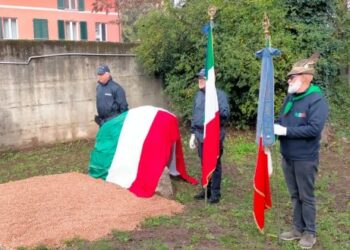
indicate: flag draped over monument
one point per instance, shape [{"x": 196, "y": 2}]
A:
[{"x": 133, "y": 149}]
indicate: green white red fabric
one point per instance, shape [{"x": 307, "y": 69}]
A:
[
  {"x": 133, "y": 149},
  {"x": 211, "y": 138}
]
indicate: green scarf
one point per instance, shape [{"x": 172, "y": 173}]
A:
[{"x": 290, "y": 103}]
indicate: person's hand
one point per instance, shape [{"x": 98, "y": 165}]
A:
[
  {"x": 279, "y": 130},
  {"x": 192, "y": 142}
]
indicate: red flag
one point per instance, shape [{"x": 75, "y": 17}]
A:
[{"x": 262, "y": 194}]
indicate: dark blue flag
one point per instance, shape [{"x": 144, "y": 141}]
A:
[{"x": 264, "y": 126}]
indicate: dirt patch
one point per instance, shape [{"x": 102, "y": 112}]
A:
[
  {"x": 50, "y": 209},
  {"x": 336, "y": 160},
  {"x": 174, "y": 238}
]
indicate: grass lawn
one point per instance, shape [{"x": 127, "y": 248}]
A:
[{"x": 227, "y": 225}]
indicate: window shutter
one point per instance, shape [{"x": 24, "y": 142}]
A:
[
  {"x": 45, "y": 29},
  {"x": 61, "y": 30},
  {"x": 81, "y": 5},
  {"x": 1, "y": 35},
  {"x": 83, "y": 31},
  {"x": 40, "y": 29},
  {"x": 60, "y": 4},
  {"x": 103, "y": 26},
  {"x": 37, "y": 30}
]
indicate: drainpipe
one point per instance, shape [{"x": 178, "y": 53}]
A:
[
  {"x": 65, "y": 54},
  {"x": 119, "y": 22}
]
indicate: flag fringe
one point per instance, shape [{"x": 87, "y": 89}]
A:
[{"x": 257, "y": 224}]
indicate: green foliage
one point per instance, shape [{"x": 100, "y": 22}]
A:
[
  {"x": 311, "y": 11},
  {"x": 173, "y": 47},
  {"x": 339, "y": 97},
  {"x": 131, "y": 12},
  {"x": 128, "y": 11},
  {"x": 312, "y": 24}
]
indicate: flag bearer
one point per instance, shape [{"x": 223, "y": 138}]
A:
[
  {"x": 299, "y": 128},
  {"x": 197, "y": 129}
]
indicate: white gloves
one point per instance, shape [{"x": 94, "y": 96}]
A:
[
  {"x": 269, "y": 160},
  {"x": 192, "y": 142},
  {"x": 279, "y": 130}
]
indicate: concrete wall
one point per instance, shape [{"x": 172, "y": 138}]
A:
[{"x": 52, "y": 99}]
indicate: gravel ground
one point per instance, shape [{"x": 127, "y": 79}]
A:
[{"x": 50, "y": 209}]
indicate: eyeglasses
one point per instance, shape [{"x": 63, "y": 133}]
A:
[{"x": 290, "y": 78}]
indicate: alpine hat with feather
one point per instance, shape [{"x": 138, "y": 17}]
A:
[{"x": 305, "y": 66}]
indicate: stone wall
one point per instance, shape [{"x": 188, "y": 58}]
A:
[{"x": 47, "y": 89}]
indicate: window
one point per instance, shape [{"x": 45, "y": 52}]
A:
[
  {"x": 71, "y": 31},
  {"x": 40, "y": 29},
  {"x": 100, "y": 29},
  {"x": 71, "y": 4},
  {"x": 8, "y": 28}
]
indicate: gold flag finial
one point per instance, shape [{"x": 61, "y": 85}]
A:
[
  {"x": 212, "y": 11},
  {"x": 266, "y": 25}
]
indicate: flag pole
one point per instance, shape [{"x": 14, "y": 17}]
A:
[
  {"x": 266, "y": 26},
  {"x": 277, "y": 196},
  {"x": 264, "y": 131}
]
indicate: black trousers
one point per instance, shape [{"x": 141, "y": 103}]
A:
[
  {"x": 214, "y": 185},
  {"x": 300, "y": 177}
]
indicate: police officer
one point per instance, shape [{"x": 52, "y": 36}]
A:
[
  {"x": 299, "y": 128},
  {"x": 110, "y": 96},
  {"x": 197, "y": 129}
]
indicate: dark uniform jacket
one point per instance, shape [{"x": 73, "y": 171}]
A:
[
  {"x": 197, "y": 122},
  {"x": 304, "y": 123},
  {"x": 110, "y": 100}
]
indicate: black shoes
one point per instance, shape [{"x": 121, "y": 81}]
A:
[
  {"x": 201, "y": 195},
  {"x": 214, "y": 200},
  {"x": 211, "y": 199}
]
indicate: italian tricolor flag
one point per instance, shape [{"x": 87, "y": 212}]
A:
[
  {"x": 211, "y": 138},
  {"x": 132, "y": 150}
]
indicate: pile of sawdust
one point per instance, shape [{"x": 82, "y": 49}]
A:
[{"x": 50, "y": 209}]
